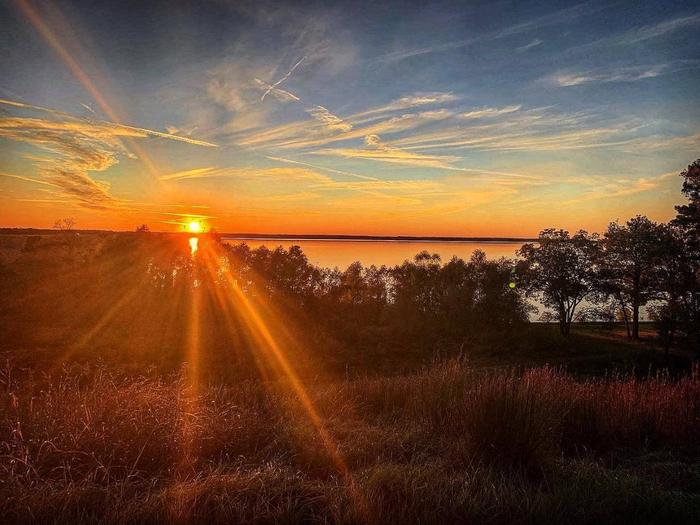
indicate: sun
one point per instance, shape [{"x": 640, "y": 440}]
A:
[{"x": 194, "y": 227}]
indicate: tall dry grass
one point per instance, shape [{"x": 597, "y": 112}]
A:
[{"x": 448, "y": 444}]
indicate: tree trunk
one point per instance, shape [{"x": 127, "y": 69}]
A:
[
  {"x": 635, "y": 305},
  {"x": 563, "y": 325},
  {"x": 624, "y": 315}
]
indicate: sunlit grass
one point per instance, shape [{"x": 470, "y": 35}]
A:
[{"x": 448, "y": 443}]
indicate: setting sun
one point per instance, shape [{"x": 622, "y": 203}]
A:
[{"x": 194, "y": 227}]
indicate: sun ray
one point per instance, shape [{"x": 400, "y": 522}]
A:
[
  {"x": 75, "y": 68},
  {"x": 268, "y": 344}
]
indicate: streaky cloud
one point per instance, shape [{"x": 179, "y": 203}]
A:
[
  {"x": 489, "y": 112},
  {"x": 327, "y": 118}
]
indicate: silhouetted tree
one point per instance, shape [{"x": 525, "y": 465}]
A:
[
  {"x": 65, "y": 224},
  {"x": 685, "y": 289},
  {"x": 688, "y": 216},
  {"x": 631, "y": 263},
  {"x": 143, "y": 228},
  {"x": 561, "y": 268}
]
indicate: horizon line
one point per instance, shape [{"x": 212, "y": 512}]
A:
[{"x": 294, "y": 236}]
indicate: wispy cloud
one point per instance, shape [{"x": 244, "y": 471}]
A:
[
  {"x": 78, "y": 147},
  {"x": 174, "y": 130},
  {"x": 101, "y": 127},
  {"x": 190, "y": 174},
  {"x": 641, "y": 34},
  {"x": 626, "y": 74},
  {"x": 557, "y": 17},
  {"x": 331, "y": 121},
  {"x": 298, "y": 135},
  {"x": 246, "y": 173},
  {"x": 621, "y": 187},
  {"x": 27, "y": 179},
  {"x": 377, "y": 150},
  {"x": 534, "y": 43},
  {"x": 322, "y": 168},
  {"x": 489, "y": 112},
  {"x": 409, "y": 102}
]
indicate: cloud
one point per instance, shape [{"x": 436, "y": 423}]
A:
[
  {"x": 331, "y": 121},
  {"x": 101, "y": 127},
  {"x": 323, "y": 168},
  {"x": 299, "y": 135},
  {"x": 282, "y": 174},
  {"x": 76, "y": 155},
  {"x": 627, "y": 74},
  {"x": 534, "y": 43},
  {"x": 489, "y": 112},
  {"x": 641, "y": 34},
  {"x": 27, "y": 179},
  {"x": 622, "y": 188},
  {"x": 555, "y": 18},
  {"x": 88, "y": 108},
  {"x": 78, "y": 147},
  {"x": 410, "y": 102},
  {"x": 633, "y": 36},
  {"x": 174, "y": 130},
  {"x": 331, "y": 128},
  {"x": 379, "y": 151},
  {"x": 535, "y": 129},
  {"x": 190, "y": 174}
]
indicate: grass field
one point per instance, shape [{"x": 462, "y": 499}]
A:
[{"x": 446, "y": 444}]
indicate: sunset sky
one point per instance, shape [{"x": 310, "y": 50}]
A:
[{"x": 457, "y": 118}]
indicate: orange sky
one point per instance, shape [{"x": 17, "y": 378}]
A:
[{"x": 286, "y": 123}]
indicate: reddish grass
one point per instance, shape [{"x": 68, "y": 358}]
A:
[{"x": 446, "y": 443}]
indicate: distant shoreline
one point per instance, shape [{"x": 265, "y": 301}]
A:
[
  {"x": 295, "y": 237},
  {"x": 370, "y": 238}
]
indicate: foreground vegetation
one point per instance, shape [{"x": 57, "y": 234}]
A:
[{"x": 447, "y": 444}]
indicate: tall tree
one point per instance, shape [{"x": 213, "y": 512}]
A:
[
  {"x": 632, "y": 263},
  {"x": 687, "y": 225},
  {"x": 688, "y": 216},
  {"x": 561, "y": 268}
]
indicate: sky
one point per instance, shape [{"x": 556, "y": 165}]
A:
[{"x": 378, "y": 118}]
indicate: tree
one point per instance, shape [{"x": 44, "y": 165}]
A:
[
  {"x": 65, "y": 224},
  {"x": 143, "y": 228},
  {"x": 631, "y": 263},
  {"x": 688, "y": 215},
  {"x": 561, "y": 268},
  {"x": 684, "y": 293}
]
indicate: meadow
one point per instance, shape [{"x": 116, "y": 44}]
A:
[{"x": 449, "y": 443}]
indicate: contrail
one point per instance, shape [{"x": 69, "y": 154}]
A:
[{"x": 285, "y": 77}]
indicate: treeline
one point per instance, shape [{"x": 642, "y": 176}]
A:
[{"x": 140, "y": 298}]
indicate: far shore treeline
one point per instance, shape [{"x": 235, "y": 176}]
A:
[{"x": 80, "y": 292}]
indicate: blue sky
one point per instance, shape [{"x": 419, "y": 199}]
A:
[{"x": 493, "y": 118}]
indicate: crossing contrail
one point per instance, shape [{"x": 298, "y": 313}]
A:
[{"x": 285, "y": 77}]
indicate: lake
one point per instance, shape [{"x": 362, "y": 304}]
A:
[{"x": 331, "y": 253}]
